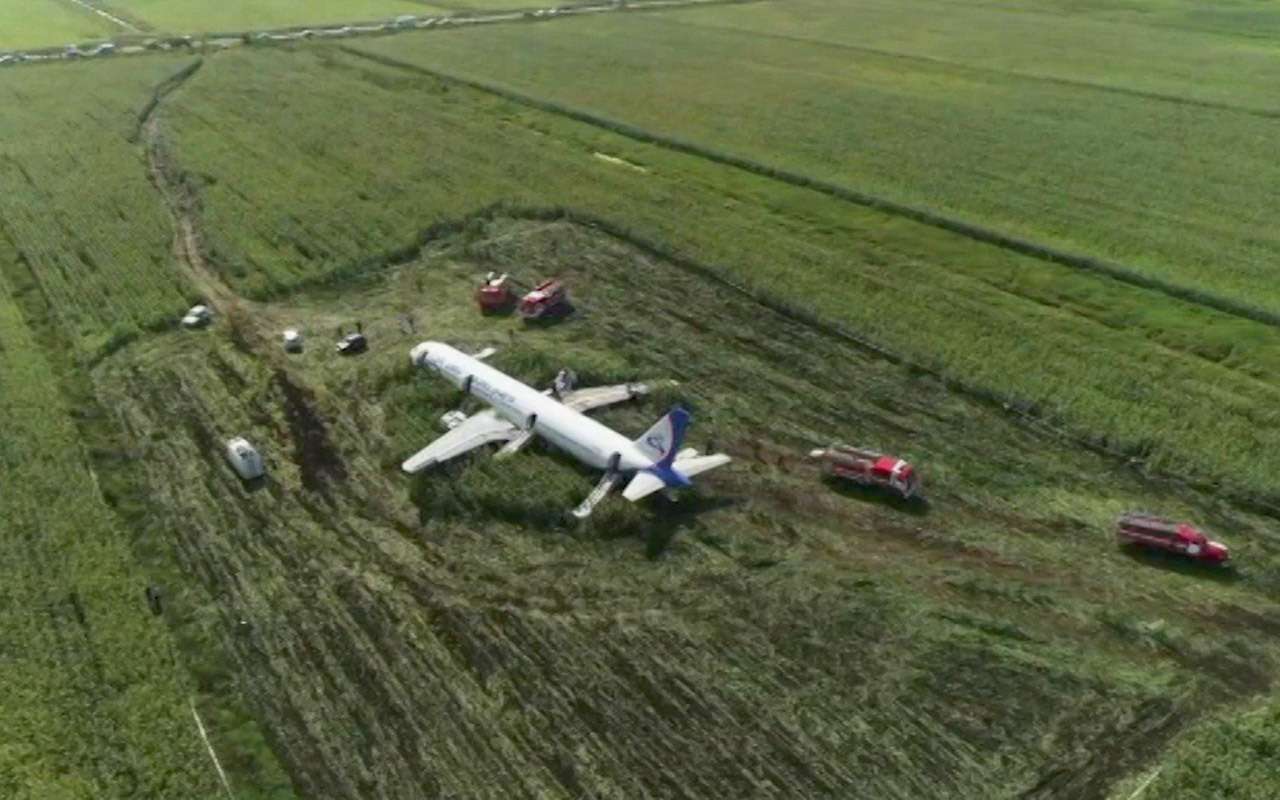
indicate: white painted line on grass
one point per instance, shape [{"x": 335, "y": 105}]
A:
[
  {"x": 205, "y": 738},
  {"x": 102, "y": 13}
]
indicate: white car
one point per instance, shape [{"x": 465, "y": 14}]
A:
[
  {"x": 197, "y": 317},
  {"x": 292, "y": 341},
  {"x": 245, "y": 459}
]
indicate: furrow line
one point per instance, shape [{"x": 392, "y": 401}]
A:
[{"x": 978, "y": 233}]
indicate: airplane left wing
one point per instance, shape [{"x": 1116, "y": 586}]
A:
[
  {"x": 598, "y": 396},
  {"x": 477, "y": 430}
]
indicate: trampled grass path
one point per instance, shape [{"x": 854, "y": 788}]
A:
[{"x": 183, "y": 203}]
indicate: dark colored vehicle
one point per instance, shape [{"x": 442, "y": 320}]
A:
[{"x": 352, "y": 344}]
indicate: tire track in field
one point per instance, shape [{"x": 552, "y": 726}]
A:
[
  {"x": 969, "y": 230},
  {"x": 466, "y": 645},
  {"x": 180, "y": 198}
]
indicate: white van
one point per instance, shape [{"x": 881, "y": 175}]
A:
[{"x": 245, "y": 460}]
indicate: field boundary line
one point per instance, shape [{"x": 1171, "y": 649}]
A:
[
  {"x": 204, "y": 737},
  {"x": 1022, "y": 412},
  {"x": 924, "y": 216},
  {"x": 127, "y": 26},
  {"x": 1127, "y": 91}
]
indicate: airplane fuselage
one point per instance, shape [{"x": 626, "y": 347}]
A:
[{"x": 527, "y": 408}]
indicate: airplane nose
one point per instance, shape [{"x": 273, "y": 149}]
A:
[{"x": 419, "y": 354}]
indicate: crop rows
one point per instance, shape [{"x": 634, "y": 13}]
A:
[
  {"x": 25, "y": 24},
  {"x": 94, "y": 704},
  {"x": 82, "y": 219},
  {"x": 1181, "y": 386},
  {"x": 473, "y": 645},
  {"x": 198, "y": 16},
  {"x": 1115, "y": 176}
]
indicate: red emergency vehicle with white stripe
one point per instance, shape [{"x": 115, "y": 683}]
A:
[
  {"x": 1148, "y": 530},
  {"x": 869, "y": 468}
]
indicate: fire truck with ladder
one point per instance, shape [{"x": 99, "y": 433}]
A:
[
  {"x": 1158, "y": 533},
  {"x": 869, "y": 468}
]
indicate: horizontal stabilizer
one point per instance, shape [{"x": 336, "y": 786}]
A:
[
  {"x": 646, "y": 482},
  {"x": 699, "y": 464},
  {"x": 643, "y": 485}
]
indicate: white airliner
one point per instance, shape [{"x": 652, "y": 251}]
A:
[{"x": 518, "y": 412}]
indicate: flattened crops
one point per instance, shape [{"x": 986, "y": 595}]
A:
[
  {"x": 339, "y": 629},
  {"x": 551, "y": 665},
  {"x": 1075, "y": 348}
]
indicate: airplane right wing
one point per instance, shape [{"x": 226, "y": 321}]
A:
[
  {"x": 597, "y": 396},
  {"x": 478, "y": 429}
]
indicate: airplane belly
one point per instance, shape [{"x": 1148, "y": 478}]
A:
[{"x": 579, "y": 450}]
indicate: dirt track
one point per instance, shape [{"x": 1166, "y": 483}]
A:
[{"x": 400, "y": 641}]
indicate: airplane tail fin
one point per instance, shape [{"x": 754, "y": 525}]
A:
[
  {"x": 662, "y": 441},
  {"x": 672, "y": 467}
]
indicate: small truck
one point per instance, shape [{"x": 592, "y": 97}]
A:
[
  {"x": 1159, "y": 533},
  {"x": 494, "y": 296},
  {"x": 352, "y": 344},
  {"x": 197, "y": 317},
  {"x": 869, "y": 468},
  {"x": 548, "y": 300},
  {"x": 292, "y": 340}
]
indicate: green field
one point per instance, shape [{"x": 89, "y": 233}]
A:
[
  {"x": 1078, "y": 167},
  {"x": 823, "y": 629},
  {"x": 46, "y": 23},
  {"x": 84, "y": 220},
  {"x": 202, "y": 16},
  {"x": 1081, "y": 349},
  {"x": 732, "y": 195}
]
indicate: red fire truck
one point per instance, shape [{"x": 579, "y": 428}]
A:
[
  {"x": 548, "y": 300},
  {"x": 1159, "y": 533},
  {"x": 869, "y": 468},
  {"x": 494, "y": 296}
]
